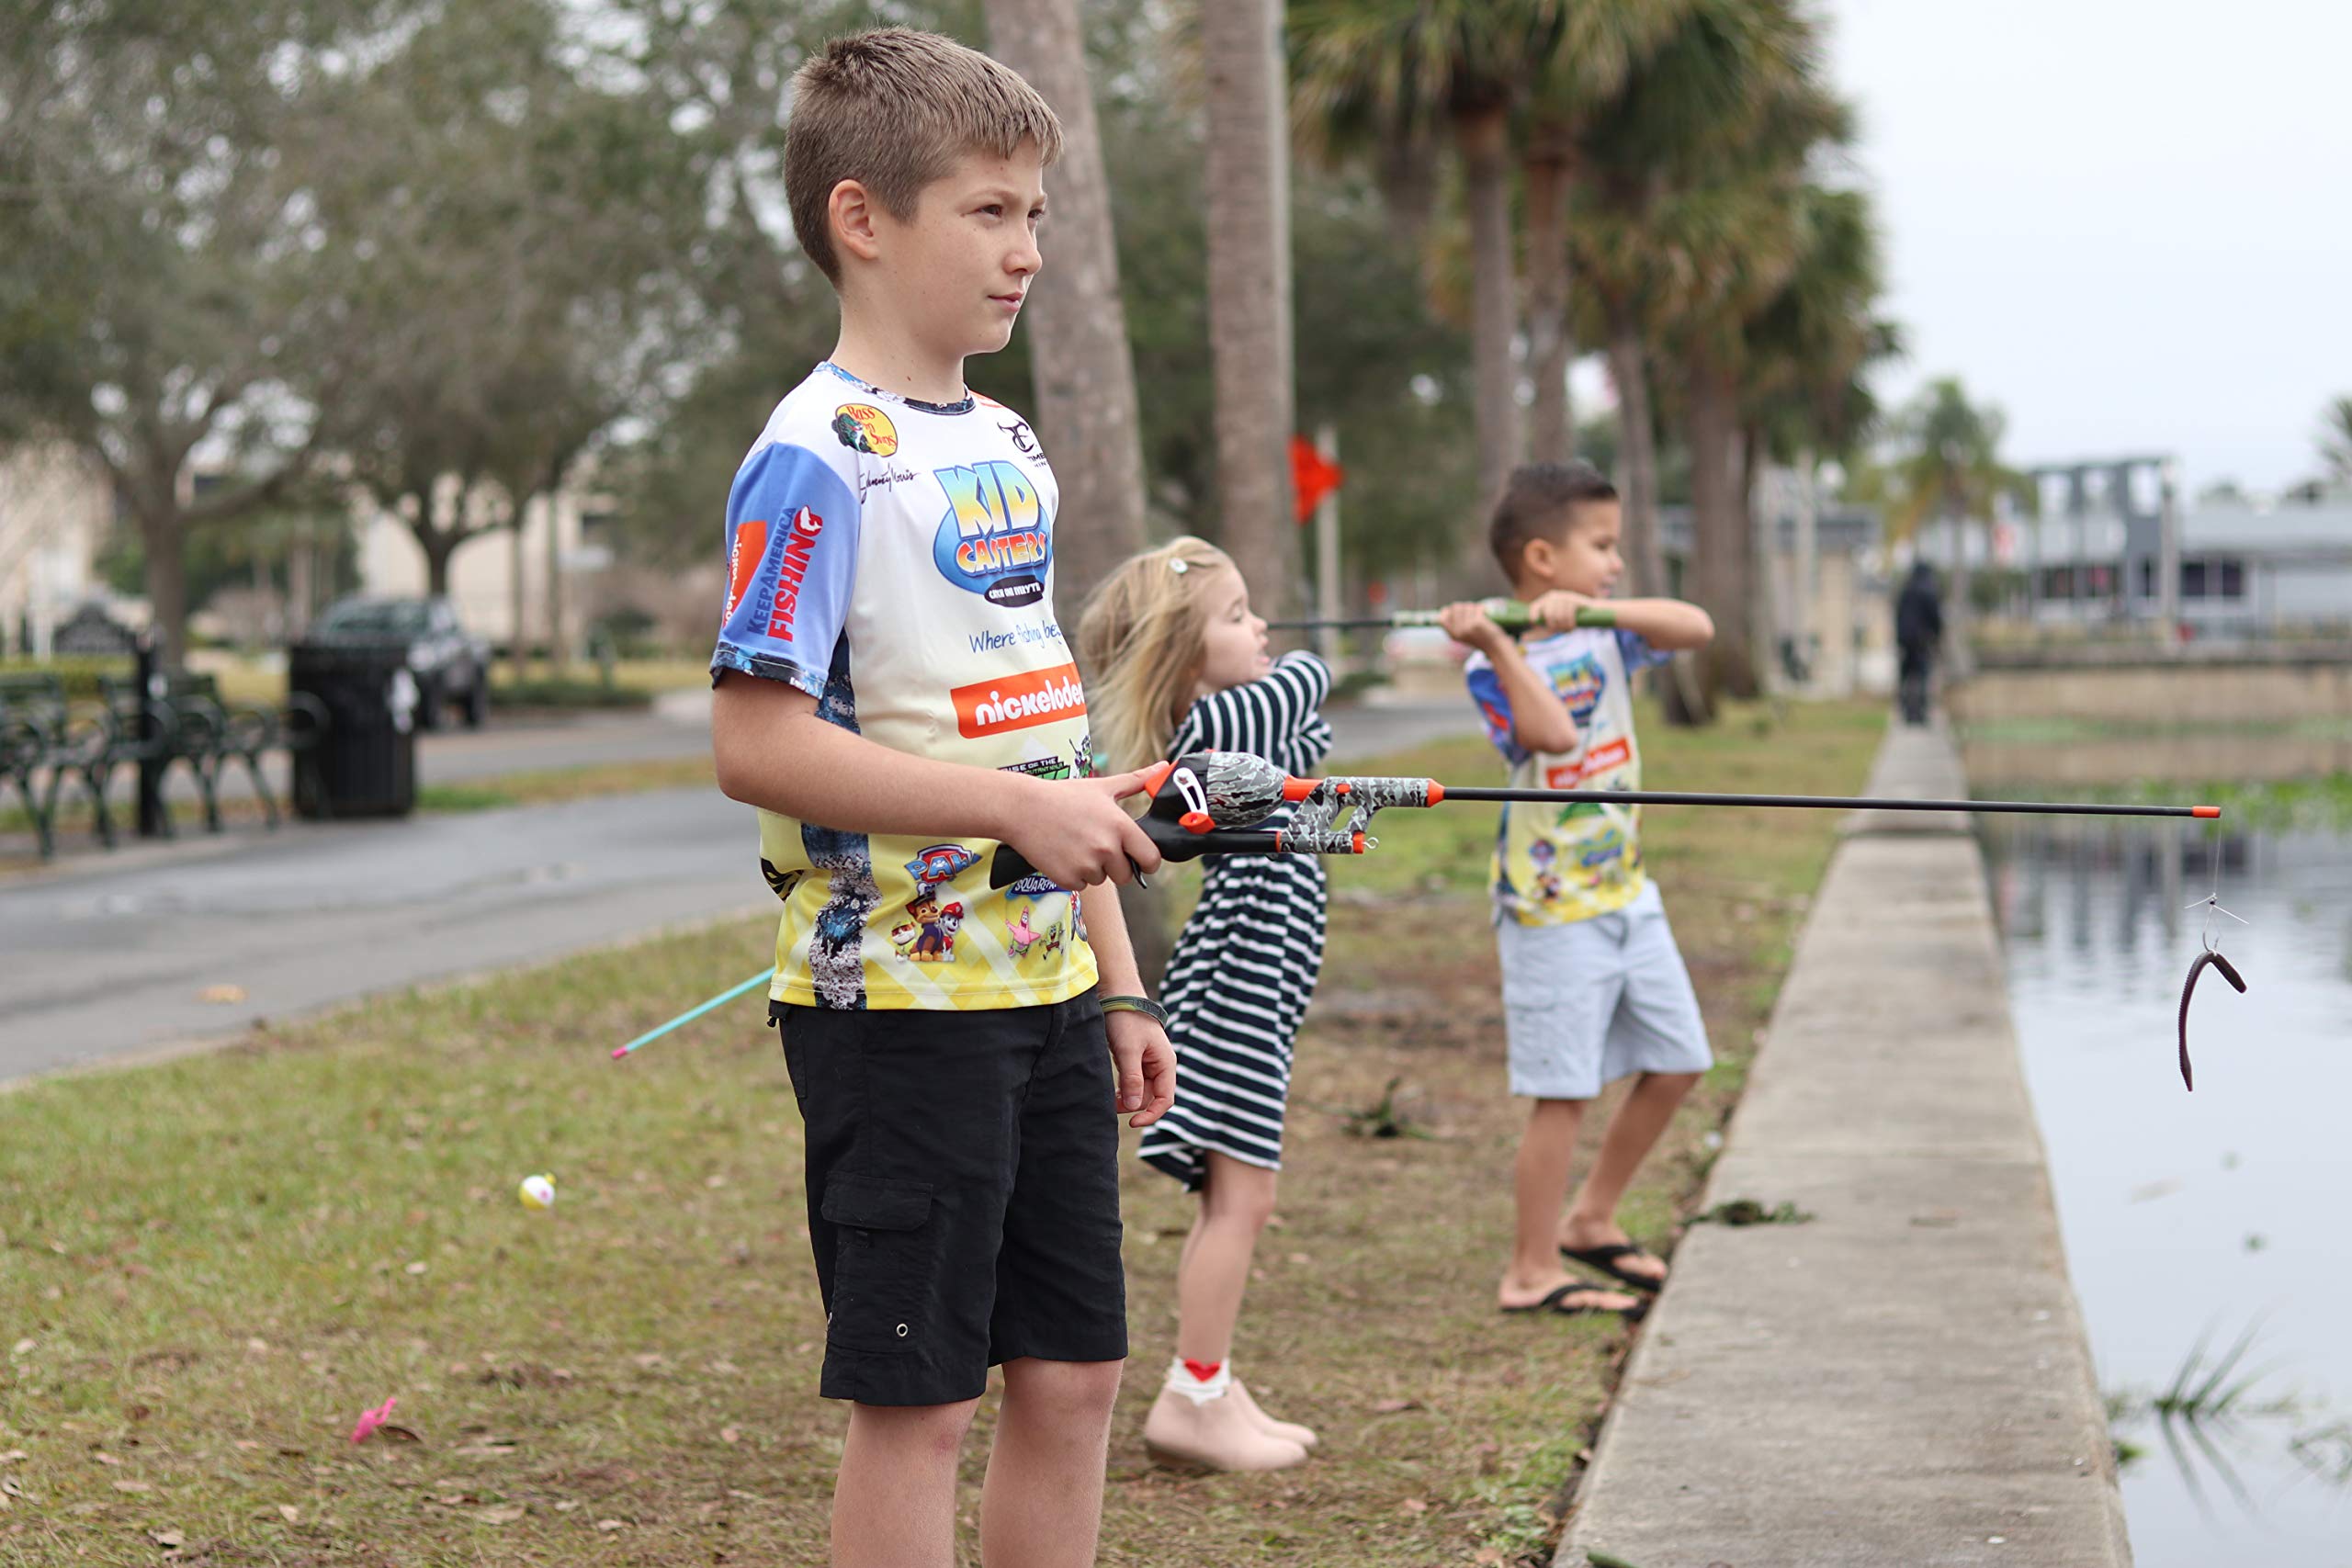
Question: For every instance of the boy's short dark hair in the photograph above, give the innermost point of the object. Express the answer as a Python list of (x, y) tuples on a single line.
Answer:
[(893, 110), (1539, 502)]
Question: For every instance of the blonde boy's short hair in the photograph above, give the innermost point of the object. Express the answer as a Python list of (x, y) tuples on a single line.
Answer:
[(894, 109)]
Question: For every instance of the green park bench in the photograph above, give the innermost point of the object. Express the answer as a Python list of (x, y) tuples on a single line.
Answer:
[(47, 741)]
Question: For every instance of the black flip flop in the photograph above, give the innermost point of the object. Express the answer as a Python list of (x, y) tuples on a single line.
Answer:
[(1555, 1303), (1605, 1260)]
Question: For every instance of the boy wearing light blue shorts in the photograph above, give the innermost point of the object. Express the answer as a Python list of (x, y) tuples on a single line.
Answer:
[(1594, 988)]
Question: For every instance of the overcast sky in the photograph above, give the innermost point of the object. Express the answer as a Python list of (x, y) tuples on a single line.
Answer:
[(2127, 222)]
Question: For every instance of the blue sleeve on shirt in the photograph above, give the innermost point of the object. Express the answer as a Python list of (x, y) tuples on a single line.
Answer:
[(1637, 653), (792, 529), (1494, 707)]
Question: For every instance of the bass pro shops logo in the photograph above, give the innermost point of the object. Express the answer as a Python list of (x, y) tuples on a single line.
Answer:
[(862, 427), (995, 539)]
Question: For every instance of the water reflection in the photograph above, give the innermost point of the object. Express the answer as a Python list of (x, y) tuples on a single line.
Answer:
[(2189, 1218)]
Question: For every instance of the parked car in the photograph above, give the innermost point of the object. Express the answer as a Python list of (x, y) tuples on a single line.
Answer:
[(450, 666)]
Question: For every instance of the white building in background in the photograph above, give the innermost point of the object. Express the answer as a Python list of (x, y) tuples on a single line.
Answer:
[(55, 507), (482, 573), (1823, 604)]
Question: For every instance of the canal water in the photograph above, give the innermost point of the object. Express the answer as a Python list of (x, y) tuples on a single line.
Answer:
[(2209, 1234)]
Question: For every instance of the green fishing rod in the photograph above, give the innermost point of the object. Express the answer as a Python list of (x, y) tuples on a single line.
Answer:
[(1510, 615)]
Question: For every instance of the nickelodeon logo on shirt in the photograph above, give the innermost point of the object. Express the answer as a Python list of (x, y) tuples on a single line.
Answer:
[(1019, 701), (1602, 758)]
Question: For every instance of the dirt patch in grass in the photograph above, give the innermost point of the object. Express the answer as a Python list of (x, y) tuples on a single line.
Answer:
[(209, 1268)]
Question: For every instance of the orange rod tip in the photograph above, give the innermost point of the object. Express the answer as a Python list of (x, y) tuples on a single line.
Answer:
[(2205, 811), (1436, 792)]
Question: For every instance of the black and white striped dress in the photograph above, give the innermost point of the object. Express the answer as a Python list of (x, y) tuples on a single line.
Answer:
[(1245, 965)]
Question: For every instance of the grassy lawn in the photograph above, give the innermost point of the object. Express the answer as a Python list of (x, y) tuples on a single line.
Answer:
[(209, 1267)]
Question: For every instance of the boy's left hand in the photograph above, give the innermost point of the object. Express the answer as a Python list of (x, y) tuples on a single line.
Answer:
[(1146, 1066), (1558, 608)]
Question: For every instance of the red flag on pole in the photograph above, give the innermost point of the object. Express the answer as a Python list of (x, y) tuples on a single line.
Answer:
[(1312, 476)]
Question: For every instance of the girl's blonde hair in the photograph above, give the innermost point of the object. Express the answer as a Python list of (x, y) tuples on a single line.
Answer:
[(1141, 642)]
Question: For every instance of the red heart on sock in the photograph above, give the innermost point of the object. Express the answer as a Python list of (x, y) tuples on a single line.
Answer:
[(1204, 1370)]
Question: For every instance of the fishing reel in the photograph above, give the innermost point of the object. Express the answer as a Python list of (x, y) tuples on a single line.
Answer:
[(1217, 803)]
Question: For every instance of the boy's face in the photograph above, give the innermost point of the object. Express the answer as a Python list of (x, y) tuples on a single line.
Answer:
[(1584, 559), (956, 271)]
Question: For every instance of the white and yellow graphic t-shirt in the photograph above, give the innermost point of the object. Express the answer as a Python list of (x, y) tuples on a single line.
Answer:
[(894, 560), (1558, 864)]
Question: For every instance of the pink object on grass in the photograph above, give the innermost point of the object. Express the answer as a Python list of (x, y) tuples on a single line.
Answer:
[(371, 1419)]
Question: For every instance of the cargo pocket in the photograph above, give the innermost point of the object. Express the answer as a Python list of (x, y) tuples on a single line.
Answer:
[(883, 1263)]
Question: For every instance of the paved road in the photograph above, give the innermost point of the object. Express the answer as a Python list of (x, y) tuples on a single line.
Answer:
[(678, 724), (109, 956)]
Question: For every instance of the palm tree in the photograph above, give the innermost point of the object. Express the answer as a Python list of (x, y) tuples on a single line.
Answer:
[(1249, 254), (1594, 49), (1083, 370), (1808, 353), (1403, 72), (1950, 467), (1693, 170)]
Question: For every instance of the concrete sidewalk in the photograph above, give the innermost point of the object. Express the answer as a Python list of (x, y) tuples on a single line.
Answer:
[(1904, 1379)]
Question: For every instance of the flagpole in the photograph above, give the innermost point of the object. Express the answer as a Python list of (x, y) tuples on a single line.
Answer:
[(1327, 549)]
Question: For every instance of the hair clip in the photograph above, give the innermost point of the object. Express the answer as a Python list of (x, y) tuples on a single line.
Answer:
[(1178, 565)]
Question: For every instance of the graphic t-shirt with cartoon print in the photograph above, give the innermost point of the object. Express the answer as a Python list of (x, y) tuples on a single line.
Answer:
[(894, 559), (1554, 865)]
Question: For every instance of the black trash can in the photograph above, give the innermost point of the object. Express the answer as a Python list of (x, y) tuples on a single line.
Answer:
[(362, 760)]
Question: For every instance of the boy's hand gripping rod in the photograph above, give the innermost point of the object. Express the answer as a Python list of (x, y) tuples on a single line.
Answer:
[(1215, 803)]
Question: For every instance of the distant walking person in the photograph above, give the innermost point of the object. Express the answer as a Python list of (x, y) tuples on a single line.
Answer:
[(1918, 632)]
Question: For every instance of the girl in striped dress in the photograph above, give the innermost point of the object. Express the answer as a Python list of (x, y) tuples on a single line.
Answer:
[(1176, 663)]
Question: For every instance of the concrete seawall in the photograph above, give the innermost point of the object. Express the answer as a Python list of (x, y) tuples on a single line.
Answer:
[(2263, 683), (1903, 1379)]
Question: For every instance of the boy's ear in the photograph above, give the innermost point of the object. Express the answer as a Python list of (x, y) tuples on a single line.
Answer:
[(851, 210), (1537, 557)]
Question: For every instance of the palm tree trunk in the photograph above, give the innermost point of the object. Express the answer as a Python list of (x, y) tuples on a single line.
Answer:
[(1249, 255), (1763, 621), (1084, 373), (1552, 432), (1485, 139), (1679, 690), (1719, 555), (1637, 444)]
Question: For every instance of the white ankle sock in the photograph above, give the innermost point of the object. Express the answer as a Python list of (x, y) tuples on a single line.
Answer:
[(1184, 1378)]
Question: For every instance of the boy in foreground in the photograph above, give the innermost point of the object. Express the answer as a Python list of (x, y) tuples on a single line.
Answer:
[(895, 696)]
